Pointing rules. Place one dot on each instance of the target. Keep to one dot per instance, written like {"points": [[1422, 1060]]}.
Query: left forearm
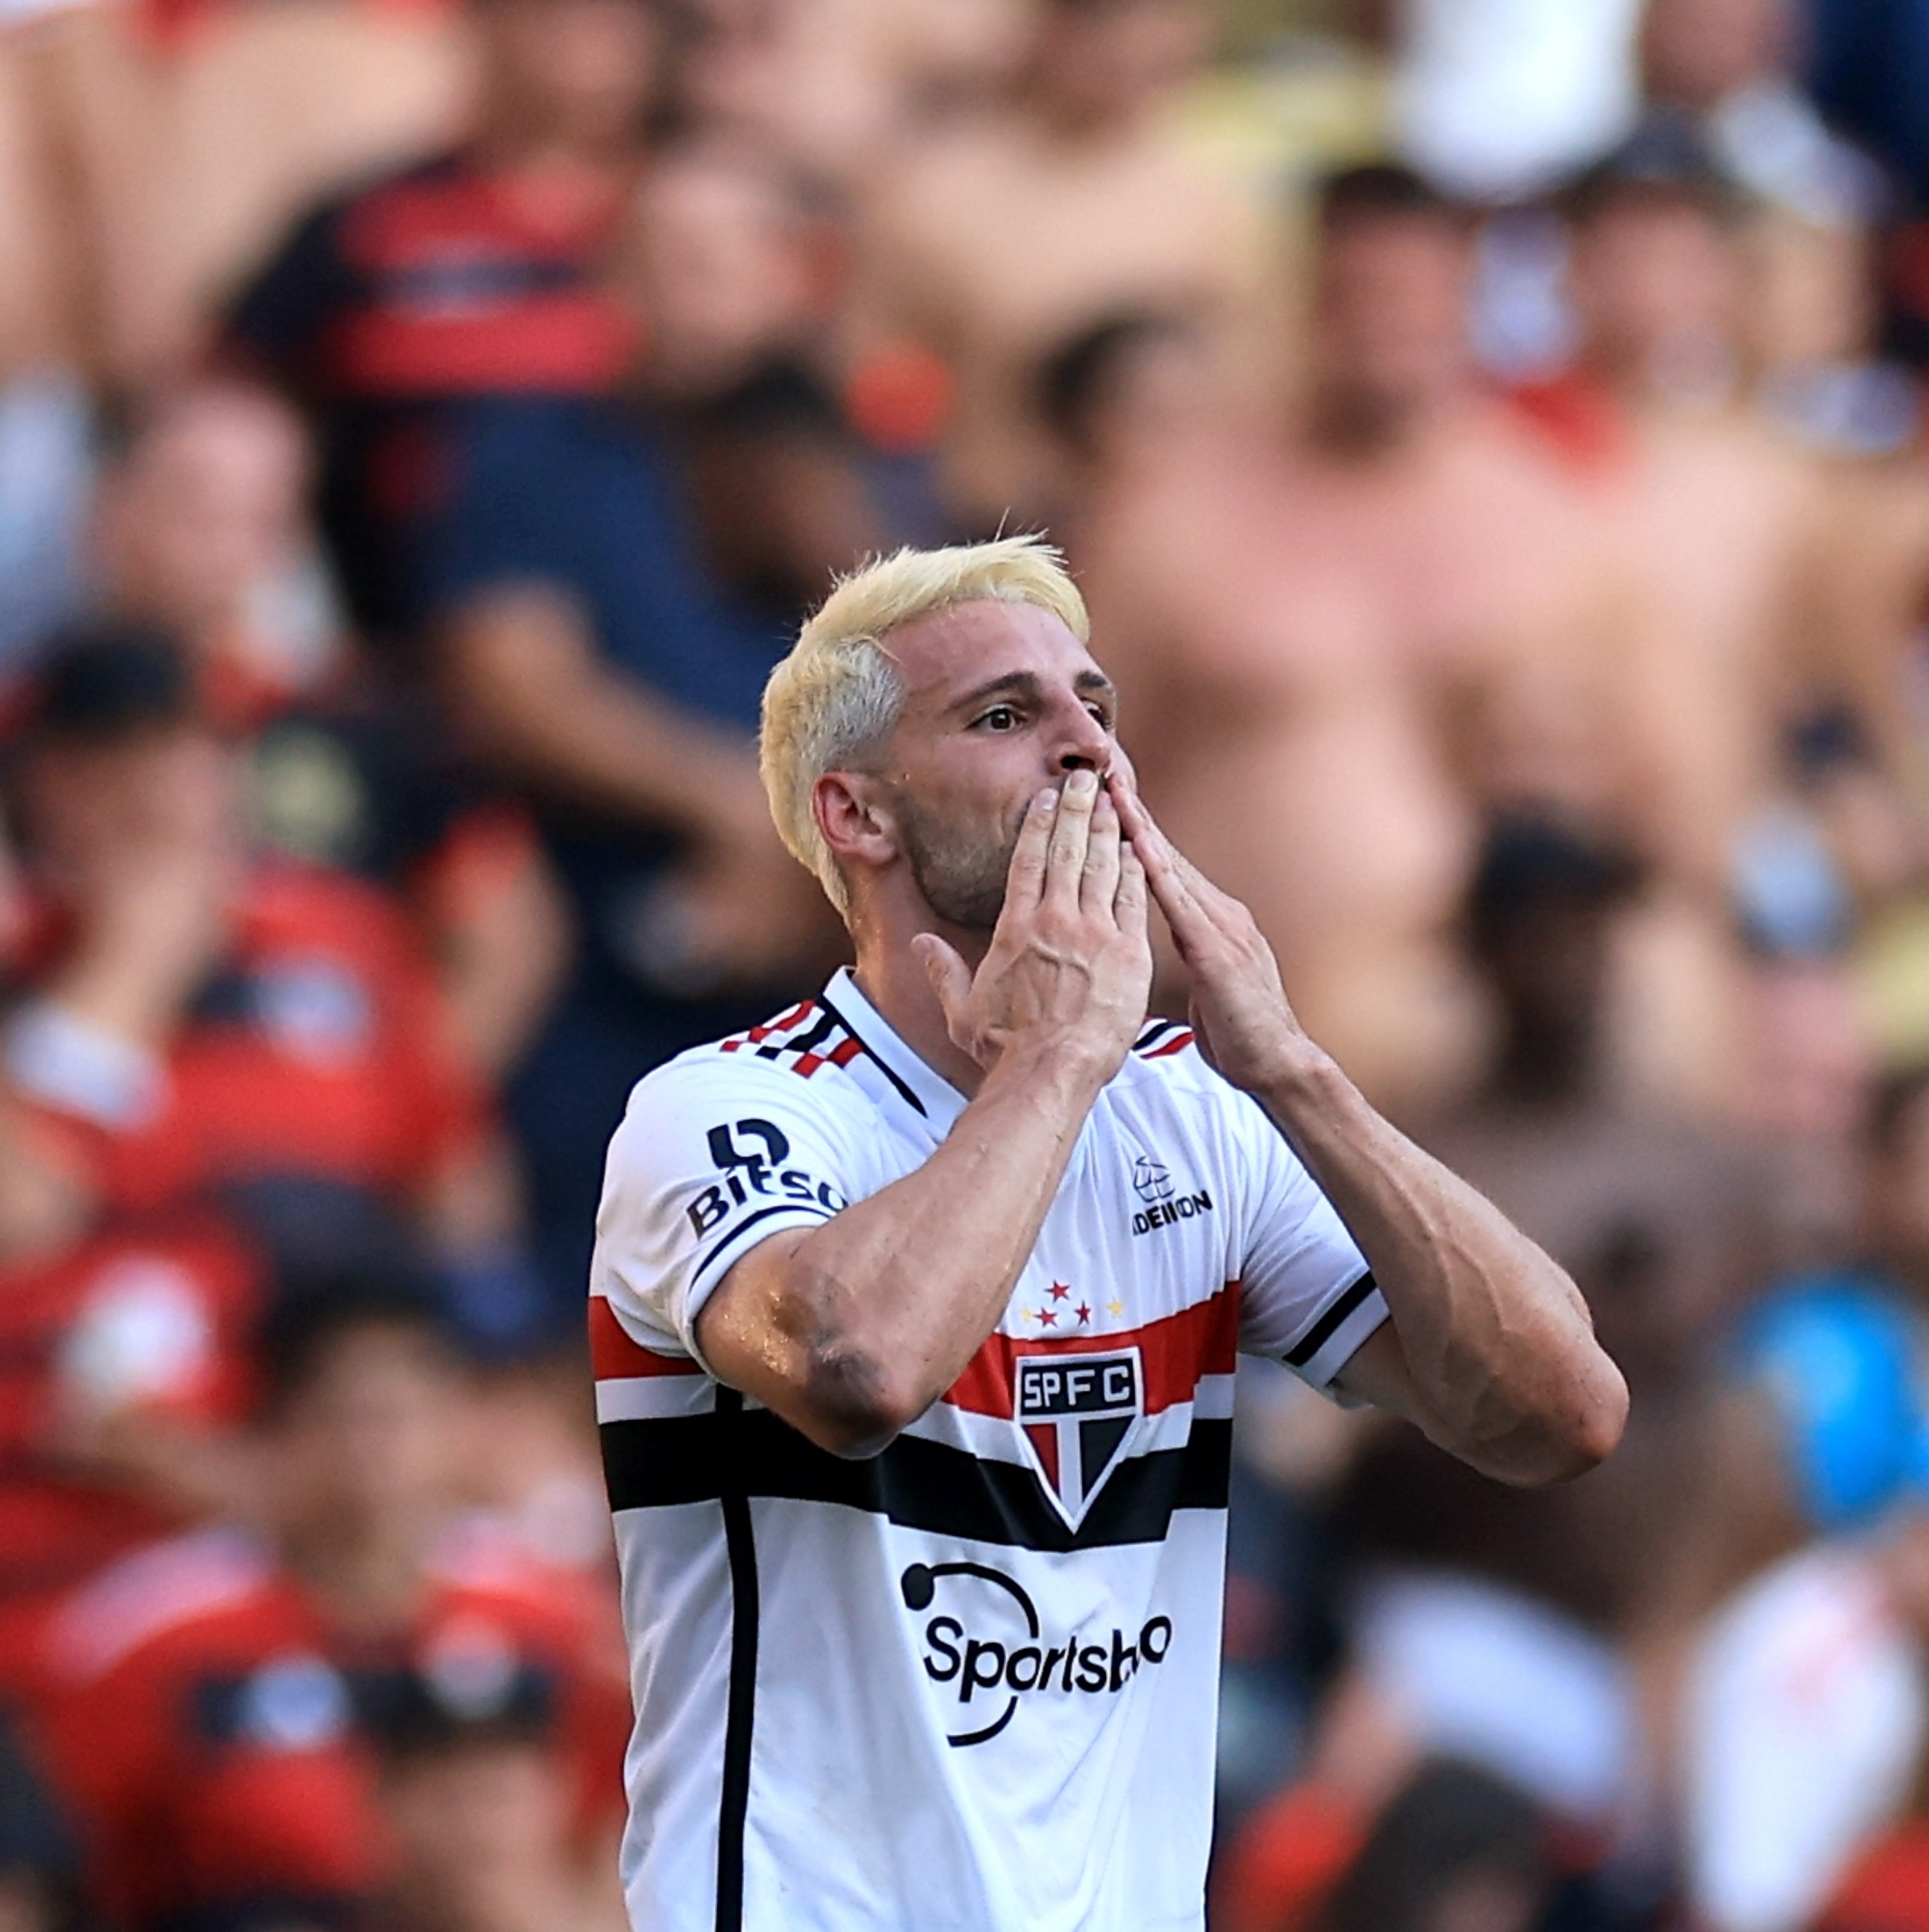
{"points": [[1499, 1352]]}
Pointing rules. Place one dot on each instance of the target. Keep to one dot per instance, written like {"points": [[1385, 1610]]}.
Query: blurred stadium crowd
{"points": [[1491, 436]]}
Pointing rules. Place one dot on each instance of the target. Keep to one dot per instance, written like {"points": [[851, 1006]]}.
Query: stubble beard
{"points": [[961, 876]]}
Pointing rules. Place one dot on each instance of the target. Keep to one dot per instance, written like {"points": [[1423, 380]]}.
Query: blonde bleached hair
{"points": [[837, 697]]}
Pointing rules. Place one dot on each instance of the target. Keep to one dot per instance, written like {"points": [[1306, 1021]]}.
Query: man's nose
{"points": [[1087, 746]]}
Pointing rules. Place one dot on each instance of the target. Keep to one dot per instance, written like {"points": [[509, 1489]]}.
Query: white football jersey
{"points": [[972, 1682]]}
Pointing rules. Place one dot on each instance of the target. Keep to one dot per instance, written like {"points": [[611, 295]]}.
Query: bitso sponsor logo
{"points": [[750, 1157], [996, 1672]]}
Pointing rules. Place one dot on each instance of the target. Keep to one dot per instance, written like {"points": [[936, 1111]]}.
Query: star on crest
{"points": [[1114, 1308], [1084, 1313], [1060, 1290], [1048, 1317]]}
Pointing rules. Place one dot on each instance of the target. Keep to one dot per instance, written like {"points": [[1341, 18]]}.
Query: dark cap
{"points": [[105, 681]]}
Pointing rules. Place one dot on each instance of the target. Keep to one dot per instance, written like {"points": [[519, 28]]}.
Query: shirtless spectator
{"points": [[1077, 201], [185, 1014], [472, 275], [88, 286], [202, 529], [1316, 621], [844, 87], [202, 1716], [1508, 1627]]}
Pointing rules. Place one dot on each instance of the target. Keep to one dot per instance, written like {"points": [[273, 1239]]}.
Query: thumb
{"points": [[950, 978]]}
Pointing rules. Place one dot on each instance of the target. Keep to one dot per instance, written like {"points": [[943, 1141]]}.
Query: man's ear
{"points": [[857, 818]]}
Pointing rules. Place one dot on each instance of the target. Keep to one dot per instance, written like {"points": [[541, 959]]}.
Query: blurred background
{"points": [[1490, 435]]}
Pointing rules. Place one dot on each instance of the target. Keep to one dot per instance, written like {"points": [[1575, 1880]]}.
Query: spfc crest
{"points": [[1076, 1412]]}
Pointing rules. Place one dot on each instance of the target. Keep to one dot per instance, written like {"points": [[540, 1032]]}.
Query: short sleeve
{"points": [[510, 513], [1308, 1298], [713, 1157]]}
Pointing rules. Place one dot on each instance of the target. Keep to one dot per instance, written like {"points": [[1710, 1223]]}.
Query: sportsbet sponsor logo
{"points": [[989, 1675]]}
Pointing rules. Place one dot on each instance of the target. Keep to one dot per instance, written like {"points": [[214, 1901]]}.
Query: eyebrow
{"points": [[1024, 683]]}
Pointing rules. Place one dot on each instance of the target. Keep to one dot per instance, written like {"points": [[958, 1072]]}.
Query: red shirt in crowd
{"points": [[318, 1047], [201, 1724], [149, 1317]]}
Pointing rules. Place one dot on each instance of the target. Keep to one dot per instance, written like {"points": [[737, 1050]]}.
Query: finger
{"points": [[1129, 897], [1025, 881], [1100, 882], [950, 978], [1071, 833]]}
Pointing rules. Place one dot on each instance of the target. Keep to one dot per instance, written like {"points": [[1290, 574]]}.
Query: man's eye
{"points": [[1000, 717], [1104, 716]]}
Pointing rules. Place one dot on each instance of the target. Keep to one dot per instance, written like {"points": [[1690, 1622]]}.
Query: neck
{"points": [[363, 1579], [892, 978]]}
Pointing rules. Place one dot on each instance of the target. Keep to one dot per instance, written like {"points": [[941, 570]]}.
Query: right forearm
{"points": [[544, 707], [880, 1310]]}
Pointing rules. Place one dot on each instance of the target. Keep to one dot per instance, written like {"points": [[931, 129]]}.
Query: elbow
{"points": [[851, 1405], [1579, 1432]]}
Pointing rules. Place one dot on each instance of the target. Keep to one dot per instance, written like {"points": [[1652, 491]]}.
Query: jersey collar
{"points": [[928, 1093]]}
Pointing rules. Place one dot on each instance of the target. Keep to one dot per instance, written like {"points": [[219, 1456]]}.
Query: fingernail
{"points": [[1046, 799], [1084, 782]]}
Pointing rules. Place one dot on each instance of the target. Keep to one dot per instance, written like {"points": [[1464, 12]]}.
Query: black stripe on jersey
{"points": [[1323, 1330], [654, 1462], [740, 1708], [1154, 1033], [723, 1243], [876, 1059]]}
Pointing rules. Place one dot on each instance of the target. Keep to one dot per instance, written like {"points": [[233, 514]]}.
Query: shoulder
{"points": [[800, 1060], [206, 1590]]}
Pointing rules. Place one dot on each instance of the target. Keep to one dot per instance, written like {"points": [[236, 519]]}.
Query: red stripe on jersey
{"points": [[1177, 1044], [1174, 1352], [615, 1356], [845, 1052], [784, 1023]]}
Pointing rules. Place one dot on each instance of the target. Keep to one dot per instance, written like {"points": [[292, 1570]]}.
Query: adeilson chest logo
{"points": [[750, 1157], [1164, 1204]]}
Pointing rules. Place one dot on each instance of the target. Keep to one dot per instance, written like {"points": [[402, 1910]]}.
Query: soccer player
{"points": [[916, 1312]]}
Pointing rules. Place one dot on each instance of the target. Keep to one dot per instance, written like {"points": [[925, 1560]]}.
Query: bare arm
{"points": [[527, 681], [1490, 1351], [851, 1329]]}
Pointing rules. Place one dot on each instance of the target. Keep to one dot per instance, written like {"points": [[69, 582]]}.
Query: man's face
{"points": [[203, 512], [1393, 310], [1656, 280], [93, 809], [582, 70], [1000, 700], [372, 1439], [1116, 59]]}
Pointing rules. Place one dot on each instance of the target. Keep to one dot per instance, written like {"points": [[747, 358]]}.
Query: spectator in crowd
{"points": [[475, 1786], [1719, 516], [202, 1717], [1074, 201], [594, 651], [127, 1373], [1726, 66], [844, 87], [186, 1014], [88, 287], [474, 274], [1509, 1627], [1115, 398], [1315, 622], [202, 531]]}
